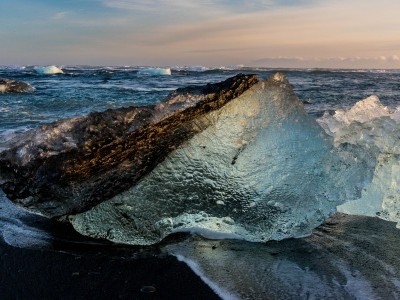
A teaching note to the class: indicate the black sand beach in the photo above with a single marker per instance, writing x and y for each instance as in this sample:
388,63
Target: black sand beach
348,257
62,264
49,274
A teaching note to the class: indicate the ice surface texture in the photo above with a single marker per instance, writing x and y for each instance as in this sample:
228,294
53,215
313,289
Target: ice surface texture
71,165
260,168
371,126
48,70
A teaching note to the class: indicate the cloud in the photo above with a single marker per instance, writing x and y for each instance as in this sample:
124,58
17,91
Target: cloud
207,7
278,33
332,62
60,15
217,50
154,5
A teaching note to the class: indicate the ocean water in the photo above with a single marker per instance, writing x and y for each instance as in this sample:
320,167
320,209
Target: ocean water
81,89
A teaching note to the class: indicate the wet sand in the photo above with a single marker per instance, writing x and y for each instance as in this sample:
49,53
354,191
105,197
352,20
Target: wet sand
348,257
44,259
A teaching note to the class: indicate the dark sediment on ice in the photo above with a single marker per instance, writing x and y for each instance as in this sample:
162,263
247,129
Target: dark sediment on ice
14,86
69,166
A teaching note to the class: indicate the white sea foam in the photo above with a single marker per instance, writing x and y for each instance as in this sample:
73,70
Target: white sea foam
199,272
356,284
134,88
7,135
294,269
191,68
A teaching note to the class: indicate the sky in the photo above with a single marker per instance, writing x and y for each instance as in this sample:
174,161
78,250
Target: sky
213,33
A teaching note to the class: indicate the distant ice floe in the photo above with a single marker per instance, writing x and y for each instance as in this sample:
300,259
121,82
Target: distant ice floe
375,129
48,70
155,71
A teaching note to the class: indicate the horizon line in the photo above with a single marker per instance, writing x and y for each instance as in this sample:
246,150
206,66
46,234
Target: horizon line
231,67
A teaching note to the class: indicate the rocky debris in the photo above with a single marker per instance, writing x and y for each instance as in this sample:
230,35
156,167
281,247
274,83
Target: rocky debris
14,86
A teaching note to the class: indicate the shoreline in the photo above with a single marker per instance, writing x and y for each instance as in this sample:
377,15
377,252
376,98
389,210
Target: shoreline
347,256
50,260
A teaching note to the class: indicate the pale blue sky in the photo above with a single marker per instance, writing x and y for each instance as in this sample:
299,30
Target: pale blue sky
271,33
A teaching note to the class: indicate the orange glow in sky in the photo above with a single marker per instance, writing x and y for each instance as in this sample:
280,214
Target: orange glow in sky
269,33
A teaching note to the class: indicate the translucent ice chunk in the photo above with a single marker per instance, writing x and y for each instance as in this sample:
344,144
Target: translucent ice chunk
269,163
48,70
155,71
374,129
363,111
382,197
